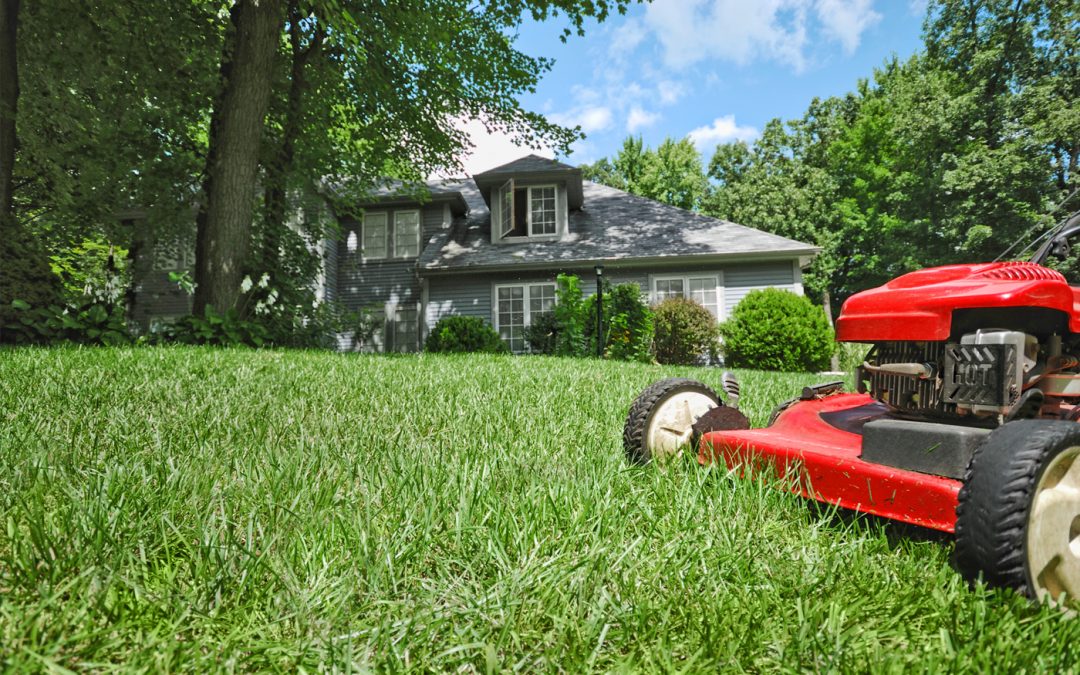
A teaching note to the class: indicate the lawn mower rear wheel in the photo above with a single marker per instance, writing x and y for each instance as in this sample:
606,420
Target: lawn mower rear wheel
1018,518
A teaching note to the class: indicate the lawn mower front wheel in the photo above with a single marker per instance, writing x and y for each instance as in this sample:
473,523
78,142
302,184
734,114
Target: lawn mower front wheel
661,419
1018,517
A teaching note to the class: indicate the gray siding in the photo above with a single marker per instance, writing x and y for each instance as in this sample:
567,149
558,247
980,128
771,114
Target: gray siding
741,279
464,296
433,218
471,295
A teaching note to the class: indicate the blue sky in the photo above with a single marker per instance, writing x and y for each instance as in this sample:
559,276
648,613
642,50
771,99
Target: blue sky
713,70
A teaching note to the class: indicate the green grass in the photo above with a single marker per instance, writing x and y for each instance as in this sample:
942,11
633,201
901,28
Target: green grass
193,510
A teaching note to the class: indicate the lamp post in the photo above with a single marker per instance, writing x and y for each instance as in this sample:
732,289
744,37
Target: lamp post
599,311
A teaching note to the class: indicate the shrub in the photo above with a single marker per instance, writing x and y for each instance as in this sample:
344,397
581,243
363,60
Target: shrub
570,329
543,334
570,317
24,275
684,332
83,321
225,330
464,334
773,329
627,324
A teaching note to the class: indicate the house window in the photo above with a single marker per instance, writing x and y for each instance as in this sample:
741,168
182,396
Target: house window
405,329
517,306
541,210
406,234
169,255
527,211
704,290
375,236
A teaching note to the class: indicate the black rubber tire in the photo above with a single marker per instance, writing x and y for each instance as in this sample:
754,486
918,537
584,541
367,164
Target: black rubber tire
996,498
646,405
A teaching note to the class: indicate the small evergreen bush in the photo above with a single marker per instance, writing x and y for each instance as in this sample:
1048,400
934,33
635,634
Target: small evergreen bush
684,332
464,334
772,329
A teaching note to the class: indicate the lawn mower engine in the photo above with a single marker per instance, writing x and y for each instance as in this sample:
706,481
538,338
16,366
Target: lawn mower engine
963,420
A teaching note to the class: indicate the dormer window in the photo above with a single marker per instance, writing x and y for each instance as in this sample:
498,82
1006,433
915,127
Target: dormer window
527,211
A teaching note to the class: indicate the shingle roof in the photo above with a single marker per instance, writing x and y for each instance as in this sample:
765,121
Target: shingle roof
529,164
613,225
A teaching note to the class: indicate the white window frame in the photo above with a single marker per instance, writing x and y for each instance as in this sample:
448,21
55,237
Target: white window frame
529,204
419,229
504,214
386,235
525,299
718,277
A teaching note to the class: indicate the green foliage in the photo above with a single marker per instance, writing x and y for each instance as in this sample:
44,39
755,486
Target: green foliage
92,268
461,334
570,330
570,317
83,321
25,276
224,330
543,335
671,174
627,324
772,329
684,332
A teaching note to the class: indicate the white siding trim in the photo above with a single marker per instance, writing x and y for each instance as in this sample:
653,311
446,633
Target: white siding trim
796,275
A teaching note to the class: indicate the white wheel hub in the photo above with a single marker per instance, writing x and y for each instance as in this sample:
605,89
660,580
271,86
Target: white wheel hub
1053,533
670,428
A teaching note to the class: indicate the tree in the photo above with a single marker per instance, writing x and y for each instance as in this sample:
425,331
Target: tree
224,224
9,103
671,174
384,97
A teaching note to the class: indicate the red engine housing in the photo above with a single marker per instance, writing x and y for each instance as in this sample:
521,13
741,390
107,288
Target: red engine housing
919,306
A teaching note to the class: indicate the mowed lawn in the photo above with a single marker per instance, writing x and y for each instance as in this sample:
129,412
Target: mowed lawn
201,509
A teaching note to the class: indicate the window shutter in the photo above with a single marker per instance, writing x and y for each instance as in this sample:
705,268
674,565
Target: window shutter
506,208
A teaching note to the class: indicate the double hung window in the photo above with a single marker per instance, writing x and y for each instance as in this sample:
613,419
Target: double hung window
516,308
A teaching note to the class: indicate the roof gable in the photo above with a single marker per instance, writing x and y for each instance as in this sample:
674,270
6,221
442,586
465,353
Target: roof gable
533,168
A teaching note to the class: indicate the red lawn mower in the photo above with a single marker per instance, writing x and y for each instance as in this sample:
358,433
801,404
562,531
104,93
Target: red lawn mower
964,419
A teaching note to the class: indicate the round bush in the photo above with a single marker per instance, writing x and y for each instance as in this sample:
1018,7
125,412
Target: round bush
683,332
464,334
773,329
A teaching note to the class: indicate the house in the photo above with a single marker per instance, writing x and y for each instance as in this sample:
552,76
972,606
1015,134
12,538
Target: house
492,246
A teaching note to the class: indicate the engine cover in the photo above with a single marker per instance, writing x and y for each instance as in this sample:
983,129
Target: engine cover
920,306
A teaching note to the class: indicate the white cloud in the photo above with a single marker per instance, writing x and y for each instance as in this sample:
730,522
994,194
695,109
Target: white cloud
722,130
845,20
589,118
742,31
492,149
669,91
639,119
626,37
733,30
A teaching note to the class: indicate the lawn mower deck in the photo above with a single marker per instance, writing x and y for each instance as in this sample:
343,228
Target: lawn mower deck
817,445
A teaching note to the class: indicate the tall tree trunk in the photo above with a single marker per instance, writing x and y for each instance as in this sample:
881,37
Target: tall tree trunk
9,101
280,163
224,223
